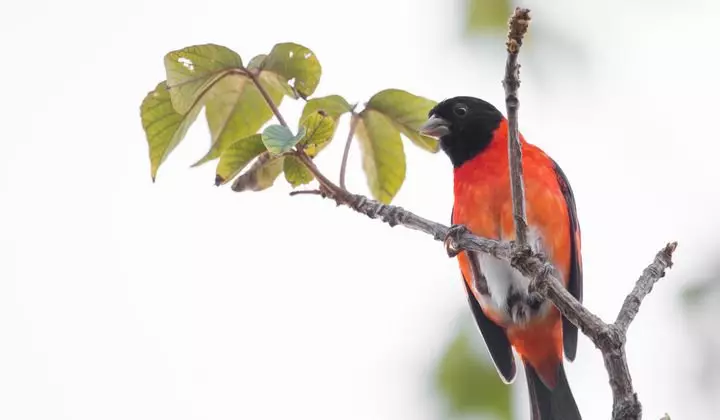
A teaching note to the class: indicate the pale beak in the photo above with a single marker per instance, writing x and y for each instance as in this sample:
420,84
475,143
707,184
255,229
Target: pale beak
435,127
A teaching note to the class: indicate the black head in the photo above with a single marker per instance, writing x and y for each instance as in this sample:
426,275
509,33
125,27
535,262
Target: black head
464,125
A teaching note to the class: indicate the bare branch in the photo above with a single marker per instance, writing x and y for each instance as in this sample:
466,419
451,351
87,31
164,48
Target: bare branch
644,285
354,119
608,338
518,26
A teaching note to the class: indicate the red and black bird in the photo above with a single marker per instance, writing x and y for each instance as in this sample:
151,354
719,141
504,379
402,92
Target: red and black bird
473,133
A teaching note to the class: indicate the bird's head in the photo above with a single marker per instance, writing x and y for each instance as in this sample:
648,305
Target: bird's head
464,125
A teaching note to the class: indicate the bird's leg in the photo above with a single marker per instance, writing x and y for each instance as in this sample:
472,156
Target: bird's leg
452,238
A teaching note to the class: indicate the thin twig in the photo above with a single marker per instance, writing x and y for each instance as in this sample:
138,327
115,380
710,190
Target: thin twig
518,26
305,192
354,119
267,98
644,285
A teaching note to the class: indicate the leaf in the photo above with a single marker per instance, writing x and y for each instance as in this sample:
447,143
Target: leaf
164,127
407,112
279,139
295,172
237,156
256,62
296,66
236,109
333,105
261,175
383,157
319,129
469,381
193,70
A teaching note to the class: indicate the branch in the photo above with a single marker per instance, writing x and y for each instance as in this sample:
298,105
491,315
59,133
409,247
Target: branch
644,285
267,98
608,338
518,26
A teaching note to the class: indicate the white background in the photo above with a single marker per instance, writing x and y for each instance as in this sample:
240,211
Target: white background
120,298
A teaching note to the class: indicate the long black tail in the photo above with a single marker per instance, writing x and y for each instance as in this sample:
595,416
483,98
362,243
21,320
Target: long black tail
547,404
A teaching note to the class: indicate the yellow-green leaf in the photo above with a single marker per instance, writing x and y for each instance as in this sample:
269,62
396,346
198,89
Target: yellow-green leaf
333,105
236,109
279,139
256,62
295,172
407,112
295,65
193,70
164,127
383,157
319,129
261,175
236,157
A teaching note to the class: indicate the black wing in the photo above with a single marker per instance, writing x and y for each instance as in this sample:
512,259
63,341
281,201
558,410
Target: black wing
575,283
495,338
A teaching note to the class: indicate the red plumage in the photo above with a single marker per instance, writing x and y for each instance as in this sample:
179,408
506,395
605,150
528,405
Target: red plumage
474,135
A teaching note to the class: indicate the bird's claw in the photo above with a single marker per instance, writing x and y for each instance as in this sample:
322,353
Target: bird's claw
452,238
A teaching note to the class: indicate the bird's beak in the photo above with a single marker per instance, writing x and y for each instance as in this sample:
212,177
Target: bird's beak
435,127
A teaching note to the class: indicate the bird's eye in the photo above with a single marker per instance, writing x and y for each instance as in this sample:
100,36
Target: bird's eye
460,110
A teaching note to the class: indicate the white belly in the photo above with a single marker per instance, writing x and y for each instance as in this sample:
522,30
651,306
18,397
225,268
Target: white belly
503,280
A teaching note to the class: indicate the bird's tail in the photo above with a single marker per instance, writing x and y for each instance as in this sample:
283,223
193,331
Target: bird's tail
551,404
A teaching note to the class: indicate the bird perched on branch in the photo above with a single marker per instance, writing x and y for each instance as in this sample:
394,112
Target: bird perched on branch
474,134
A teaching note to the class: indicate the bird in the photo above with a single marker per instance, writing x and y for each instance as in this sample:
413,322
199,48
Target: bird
474,135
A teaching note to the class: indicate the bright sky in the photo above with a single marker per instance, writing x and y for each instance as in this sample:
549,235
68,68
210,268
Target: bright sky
120,298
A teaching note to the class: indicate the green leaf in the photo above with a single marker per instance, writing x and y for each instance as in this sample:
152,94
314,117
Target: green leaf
319,129
236,109
296,66
407,112
256,62
279,139
469,381
261,175
383,157
193,70
295,172
236,157
164,127
333,105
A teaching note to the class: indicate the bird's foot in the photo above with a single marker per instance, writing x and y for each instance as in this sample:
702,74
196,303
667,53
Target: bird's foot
452,238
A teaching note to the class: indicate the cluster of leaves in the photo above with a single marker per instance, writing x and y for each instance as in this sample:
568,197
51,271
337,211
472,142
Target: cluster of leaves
240,99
